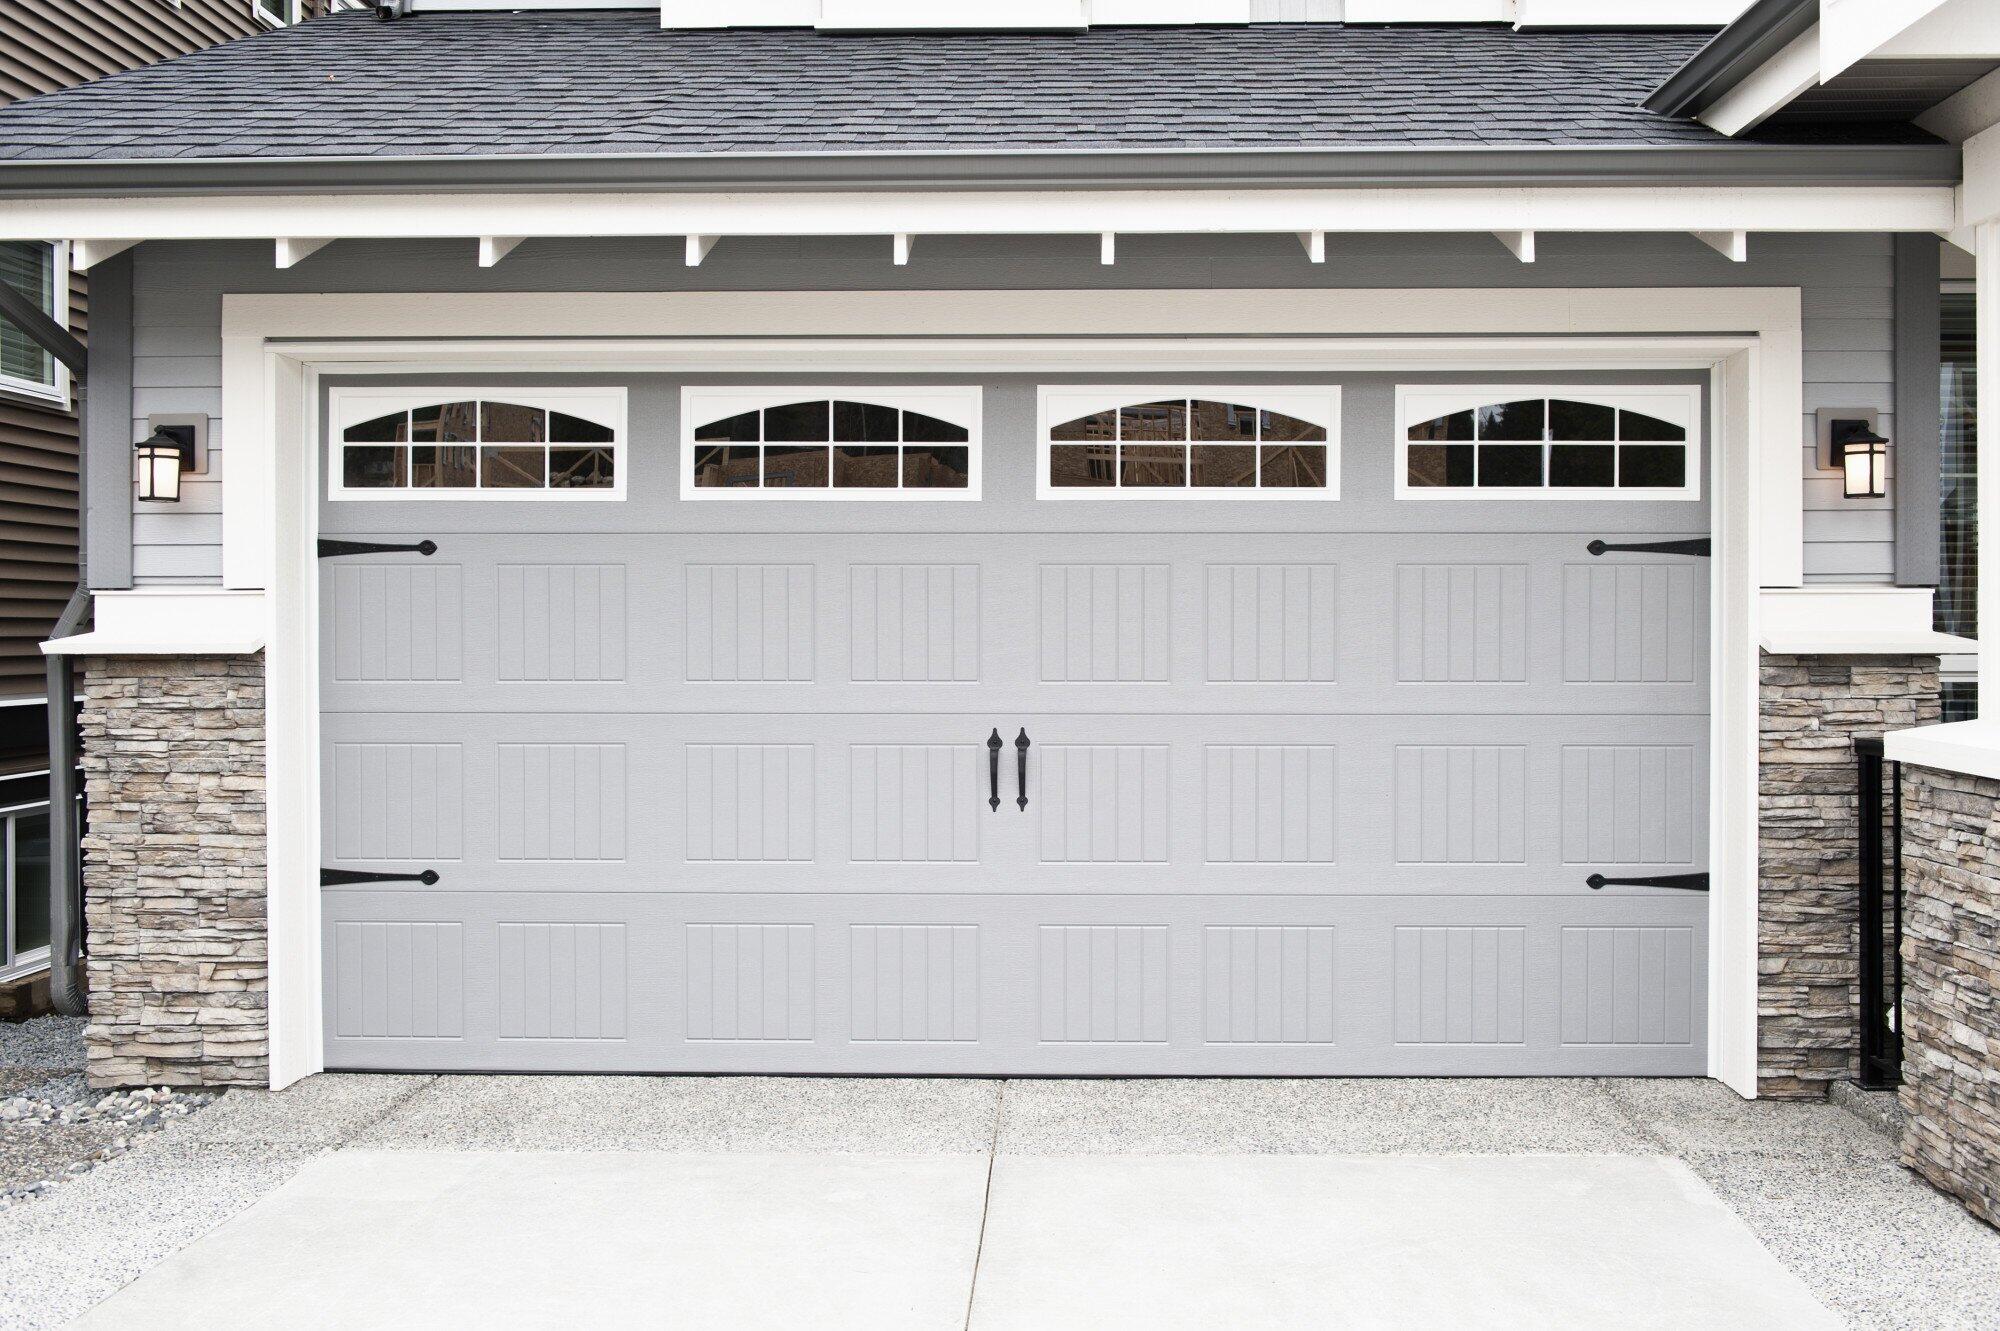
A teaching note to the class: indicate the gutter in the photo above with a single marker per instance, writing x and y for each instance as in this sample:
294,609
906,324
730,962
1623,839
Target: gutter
66,991
1720,162
1759,33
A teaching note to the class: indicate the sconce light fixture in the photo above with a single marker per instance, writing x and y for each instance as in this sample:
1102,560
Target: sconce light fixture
1864,465
161,457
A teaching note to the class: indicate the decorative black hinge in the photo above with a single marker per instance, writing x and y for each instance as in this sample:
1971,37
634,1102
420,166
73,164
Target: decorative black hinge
347,877
1696,546
1682,882
334,549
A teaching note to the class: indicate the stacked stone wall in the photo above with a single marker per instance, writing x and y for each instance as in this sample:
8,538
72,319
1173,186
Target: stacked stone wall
173,870
1808,980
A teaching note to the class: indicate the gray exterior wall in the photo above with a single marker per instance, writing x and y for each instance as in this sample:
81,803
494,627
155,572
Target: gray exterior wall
1848,285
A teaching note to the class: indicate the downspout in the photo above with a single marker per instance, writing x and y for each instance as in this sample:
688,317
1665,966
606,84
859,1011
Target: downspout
65,869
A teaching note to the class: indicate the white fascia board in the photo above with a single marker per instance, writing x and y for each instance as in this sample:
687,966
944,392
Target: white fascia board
170,621
1162,13
984,15
1836,620
1631,13
1430,11
1811,208
733,13
1855,30
1971,748
1767,89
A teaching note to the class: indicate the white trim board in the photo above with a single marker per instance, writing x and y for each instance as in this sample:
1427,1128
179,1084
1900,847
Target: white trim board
275,348
1385,209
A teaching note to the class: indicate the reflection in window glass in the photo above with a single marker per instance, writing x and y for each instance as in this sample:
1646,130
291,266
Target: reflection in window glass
874,447
1173,443
478,445
1955,609
31,882
1546,443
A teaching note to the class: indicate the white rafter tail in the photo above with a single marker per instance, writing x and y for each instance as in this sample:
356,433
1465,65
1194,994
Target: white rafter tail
1107,247
698,248
295,250
492,249
87,254
1731,245
905,242
1520,243
1315,243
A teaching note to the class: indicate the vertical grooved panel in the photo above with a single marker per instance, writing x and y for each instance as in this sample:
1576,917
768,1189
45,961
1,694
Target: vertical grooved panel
1104,984
914,982
915,803
398,802
750,622
1461,804
1101,803
1628,985
1630,623
562,801
395,623
562,981
750,802
398,980
1461,623
1459,985
1271,804
561,622
1105,623
1629,804
1267,984
750,982
1272,623
913,622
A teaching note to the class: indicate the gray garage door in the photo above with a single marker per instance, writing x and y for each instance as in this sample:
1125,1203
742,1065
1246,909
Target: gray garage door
1310,787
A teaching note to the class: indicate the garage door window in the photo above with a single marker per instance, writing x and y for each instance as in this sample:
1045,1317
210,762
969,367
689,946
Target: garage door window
441,444
1159,442
830,443
1515,441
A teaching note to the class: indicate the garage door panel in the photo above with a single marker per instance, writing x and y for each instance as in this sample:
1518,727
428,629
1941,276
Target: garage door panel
1015,984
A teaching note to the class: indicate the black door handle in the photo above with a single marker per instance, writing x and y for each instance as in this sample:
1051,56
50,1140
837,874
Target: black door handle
1021,766
1684,882
331,549
1698,545
345,877
993,743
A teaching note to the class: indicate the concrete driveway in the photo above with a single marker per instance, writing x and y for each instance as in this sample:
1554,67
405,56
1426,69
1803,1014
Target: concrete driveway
355,1201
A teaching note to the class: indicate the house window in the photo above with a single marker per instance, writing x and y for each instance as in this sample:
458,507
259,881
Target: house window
24,928
478,444
277,13
1956,608
35,269
1519,442
830,443
1155,442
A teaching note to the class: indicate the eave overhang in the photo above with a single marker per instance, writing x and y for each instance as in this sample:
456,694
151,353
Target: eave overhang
1724,163
1762,31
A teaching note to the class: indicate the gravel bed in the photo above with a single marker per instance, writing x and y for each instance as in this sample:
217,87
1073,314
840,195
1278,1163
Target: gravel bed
53,1127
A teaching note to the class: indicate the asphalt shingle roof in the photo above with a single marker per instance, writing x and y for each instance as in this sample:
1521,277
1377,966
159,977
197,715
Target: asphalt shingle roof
613,82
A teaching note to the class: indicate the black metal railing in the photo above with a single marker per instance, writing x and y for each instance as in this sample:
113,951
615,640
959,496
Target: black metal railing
1881,915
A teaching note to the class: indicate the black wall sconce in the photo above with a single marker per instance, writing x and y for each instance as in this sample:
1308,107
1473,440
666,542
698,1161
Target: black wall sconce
177,446
1851,444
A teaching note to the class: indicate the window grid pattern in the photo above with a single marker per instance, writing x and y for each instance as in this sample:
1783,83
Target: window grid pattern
1956,609
831,444
1187,444
1546,443
479,444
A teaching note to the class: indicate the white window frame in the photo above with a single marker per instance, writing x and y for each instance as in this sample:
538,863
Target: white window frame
351,406
1679,403
1318,404
15,965
962,405
264,16
59,391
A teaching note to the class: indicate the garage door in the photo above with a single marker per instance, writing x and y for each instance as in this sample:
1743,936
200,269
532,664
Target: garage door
1015,728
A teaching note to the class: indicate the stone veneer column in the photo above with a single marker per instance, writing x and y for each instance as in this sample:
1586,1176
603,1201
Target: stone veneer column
1812,707
1951,984
174,857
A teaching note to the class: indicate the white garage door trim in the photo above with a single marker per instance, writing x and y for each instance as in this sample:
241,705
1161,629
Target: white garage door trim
274,345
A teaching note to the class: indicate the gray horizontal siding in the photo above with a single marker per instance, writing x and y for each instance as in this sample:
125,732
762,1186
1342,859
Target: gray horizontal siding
1847,286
